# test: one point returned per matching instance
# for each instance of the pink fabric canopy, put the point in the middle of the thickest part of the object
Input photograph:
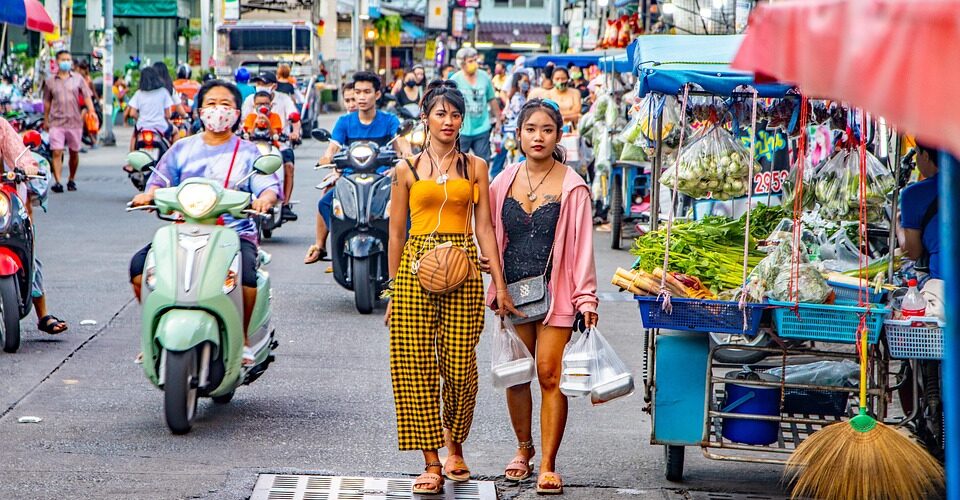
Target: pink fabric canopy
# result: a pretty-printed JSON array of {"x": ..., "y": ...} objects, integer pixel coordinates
[{"x": 894, "y": 58}]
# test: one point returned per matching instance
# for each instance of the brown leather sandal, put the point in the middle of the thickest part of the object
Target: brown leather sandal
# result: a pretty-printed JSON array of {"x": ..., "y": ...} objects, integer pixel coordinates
[
  {"x": 551, "y": 478},
  {"x": 433, "y": 481},
  {"x": 456, "y": 469}
]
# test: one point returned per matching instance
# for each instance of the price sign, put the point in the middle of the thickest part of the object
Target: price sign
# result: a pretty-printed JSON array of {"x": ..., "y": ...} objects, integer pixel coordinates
[{"x": 772, "y": 154}]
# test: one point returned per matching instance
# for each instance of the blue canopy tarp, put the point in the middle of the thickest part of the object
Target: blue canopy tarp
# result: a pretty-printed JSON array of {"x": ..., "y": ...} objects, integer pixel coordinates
[
  {"x": 581, "y": 59},
  {"x": 621, "y": 62},
  {"x": 665, "y": 63}
]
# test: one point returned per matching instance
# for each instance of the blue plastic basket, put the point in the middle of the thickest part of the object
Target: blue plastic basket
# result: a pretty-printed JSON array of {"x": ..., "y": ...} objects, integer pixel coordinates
[
  {"x": 826, "y": 322},
  {"x": 697, "y": 315},
  {"x": 852, "y": 293},
  {"x": 916, "y": 338}
]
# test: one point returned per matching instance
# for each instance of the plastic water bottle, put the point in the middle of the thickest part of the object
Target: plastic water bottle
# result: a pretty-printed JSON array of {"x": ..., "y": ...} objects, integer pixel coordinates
[{"x": 914, "y": 305}]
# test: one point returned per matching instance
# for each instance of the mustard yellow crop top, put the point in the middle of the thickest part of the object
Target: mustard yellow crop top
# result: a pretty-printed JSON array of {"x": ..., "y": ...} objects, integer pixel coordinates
[{"x": 426, "y": 197}]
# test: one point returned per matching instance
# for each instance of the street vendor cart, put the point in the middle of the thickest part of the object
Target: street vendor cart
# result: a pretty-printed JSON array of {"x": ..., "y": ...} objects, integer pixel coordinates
[{"x": 761, "y": 413}]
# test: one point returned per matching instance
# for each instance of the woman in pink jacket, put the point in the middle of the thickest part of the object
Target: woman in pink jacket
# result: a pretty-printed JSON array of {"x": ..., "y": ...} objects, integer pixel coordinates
[{"x": 542, "y": 216}]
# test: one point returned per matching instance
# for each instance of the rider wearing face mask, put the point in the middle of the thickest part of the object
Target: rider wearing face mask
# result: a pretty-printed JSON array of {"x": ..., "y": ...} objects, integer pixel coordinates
[
  {"x": 217, "y": 154},
  {"x": 283, "y": 106},
  {"x": 409, "y": 93}
]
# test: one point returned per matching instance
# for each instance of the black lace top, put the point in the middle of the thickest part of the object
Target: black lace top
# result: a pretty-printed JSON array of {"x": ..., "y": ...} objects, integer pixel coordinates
[{"x": 529, "y": 239}]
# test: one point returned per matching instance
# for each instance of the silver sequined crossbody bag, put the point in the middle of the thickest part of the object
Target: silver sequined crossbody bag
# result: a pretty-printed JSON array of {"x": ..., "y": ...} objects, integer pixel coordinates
[{"x": 531, "y": 296}]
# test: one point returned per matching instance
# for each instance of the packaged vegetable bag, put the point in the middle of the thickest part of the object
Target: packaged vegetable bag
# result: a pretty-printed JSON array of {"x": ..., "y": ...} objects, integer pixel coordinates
[
  {"x": 838, "y": 185},
  {"x": 713, "y": 165}
]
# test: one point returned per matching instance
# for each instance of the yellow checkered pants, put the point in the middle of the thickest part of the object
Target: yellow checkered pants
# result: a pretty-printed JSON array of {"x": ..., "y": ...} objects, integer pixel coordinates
[{"x": 432, "y": 339}]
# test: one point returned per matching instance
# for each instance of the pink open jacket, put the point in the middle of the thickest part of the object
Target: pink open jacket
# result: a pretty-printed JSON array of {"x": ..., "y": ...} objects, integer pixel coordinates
[{"x": 573, "y": 281}]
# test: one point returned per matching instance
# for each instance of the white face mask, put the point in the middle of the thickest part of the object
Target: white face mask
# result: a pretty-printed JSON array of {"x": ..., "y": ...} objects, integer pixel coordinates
[{"x": 261, "y": 88}]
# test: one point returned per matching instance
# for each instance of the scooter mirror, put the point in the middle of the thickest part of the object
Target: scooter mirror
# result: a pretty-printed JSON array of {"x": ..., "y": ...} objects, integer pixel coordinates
[
  {"x": 406, "y": 127},
  {"x": 268, "y": 164},
  {"x": 139, "y": 160},
  {"x": 320, "y": 134}
]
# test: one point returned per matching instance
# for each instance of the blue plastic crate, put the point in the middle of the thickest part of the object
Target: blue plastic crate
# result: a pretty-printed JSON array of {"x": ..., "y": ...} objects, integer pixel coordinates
[
  {"x": 697, "y": 315},
  {"x": 826, "y": 322},
  {"x": 851, "y": 293}
]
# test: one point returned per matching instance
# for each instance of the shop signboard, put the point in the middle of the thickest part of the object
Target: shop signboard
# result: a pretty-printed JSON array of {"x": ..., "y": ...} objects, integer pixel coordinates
[
  {"x": 470, "y": 21},
  {"x": 231, "y": 10},
  {"x": 430, "y": 51},
  {"x": 469, "y": 4},
  {"x": 437, "y": 15},
  {"x": 457, "y": 26}
]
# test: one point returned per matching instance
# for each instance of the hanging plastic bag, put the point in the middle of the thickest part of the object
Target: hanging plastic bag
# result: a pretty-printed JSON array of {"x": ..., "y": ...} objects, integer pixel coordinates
[
  {"x": 838, "y": 185},
  {"x": 586, "y": 123},
  {"x": 511, "y": 362},
  {"x": 713, "y": 165},
  {"x": 632, "y": 152},
  {"x": 603, "y": 149},
  {"x": 613, "y": 379},
  {"x": 578, "y": 366},
  {"x": 649, "y": 109},
  {"x": 790, "y": 186}
]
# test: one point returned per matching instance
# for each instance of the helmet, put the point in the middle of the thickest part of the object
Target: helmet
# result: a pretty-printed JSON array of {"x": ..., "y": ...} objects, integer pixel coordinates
[
  {"x": 209, "y": 76},
  {"x": 184, "y": 72},
  {"x": 242, "y": 75}
]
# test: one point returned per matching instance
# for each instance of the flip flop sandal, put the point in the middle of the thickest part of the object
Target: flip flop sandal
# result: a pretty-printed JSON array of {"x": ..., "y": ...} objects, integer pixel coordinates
[
  {"x": 51, "y": 324},
  {"x": 435, "y": 482},
  {"x": 519, "y": 463},
  {"x": 317, "y": 257},
  {"x": 458, "y": 465},
  {"x": 549, "y": 478}
]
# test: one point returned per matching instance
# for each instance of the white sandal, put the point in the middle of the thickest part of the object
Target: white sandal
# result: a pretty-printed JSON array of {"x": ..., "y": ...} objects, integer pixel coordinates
[{"x": 248, "y": 356}]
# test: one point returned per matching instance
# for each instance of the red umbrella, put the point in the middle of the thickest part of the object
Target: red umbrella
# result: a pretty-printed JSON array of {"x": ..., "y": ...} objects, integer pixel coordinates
[
  {"x": 29, "y": 13},
  {"x": 896, "y": 59}
]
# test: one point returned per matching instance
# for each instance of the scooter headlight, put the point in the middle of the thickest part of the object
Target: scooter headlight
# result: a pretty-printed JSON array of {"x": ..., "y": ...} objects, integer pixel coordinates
[
  {"x": 233, "y": 275},
  {"x": 150, "y": 271},
  {"x": 361, "y": 153},
  {"x": 197, "y": 200},
  {"x": 337, "y": 209},
  {"x": 418, "y": 137},
  {"x": 4, "y": 206}
]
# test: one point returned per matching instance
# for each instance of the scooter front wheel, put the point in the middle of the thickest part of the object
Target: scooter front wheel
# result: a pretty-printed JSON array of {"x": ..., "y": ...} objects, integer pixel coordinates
[
  {"x": 180, "y": 390},
  {"x": 10, "y": 309},
  {"x": 364, "y": 289}
]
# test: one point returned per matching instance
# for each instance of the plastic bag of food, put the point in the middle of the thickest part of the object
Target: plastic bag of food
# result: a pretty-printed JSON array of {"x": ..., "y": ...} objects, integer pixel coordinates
[
  {"x": 809, "y": 284},
  {"x": 511, "y": 362},
  {"x": 578, "y": 365},
  {"x": 611, "y": 114},
  {"x": 603, "y": 149},
  {"x": 612, "y": 378},
  {"x": 631, "y": 132},
  {"x": 586, "y": 123},
  {"x": 713, "y": 165},
  {"x": 649, "y": 110},
  {"x": 763, "y": 277},
  {"x": 632, "y": 152},
  {"x": 838, "y": 185},
  {"x": 809, "y": 192}
]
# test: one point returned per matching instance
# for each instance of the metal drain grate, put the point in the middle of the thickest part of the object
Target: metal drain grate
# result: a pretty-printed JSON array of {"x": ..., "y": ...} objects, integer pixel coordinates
[
  {"x": 716, "y": 495},
  {"x": 303, "y": 487}
]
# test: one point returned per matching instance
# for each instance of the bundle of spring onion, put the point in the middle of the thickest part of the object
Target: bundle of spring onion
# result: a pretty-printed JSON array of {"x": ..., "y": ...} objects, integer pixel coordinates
[{"x": 710, "y": 249}]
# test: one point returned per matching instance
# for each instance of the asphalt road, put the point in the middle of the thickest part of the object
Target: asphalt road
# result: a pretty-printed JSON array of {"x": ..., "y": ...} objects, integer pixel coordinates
[{"x": 324, "y": 406}]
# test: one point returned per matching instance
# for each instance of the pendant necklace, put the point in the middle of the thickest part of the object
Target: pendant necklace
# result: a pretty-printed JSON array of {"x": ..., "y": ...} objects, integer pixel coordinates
[{"x": 532, "y": 194}]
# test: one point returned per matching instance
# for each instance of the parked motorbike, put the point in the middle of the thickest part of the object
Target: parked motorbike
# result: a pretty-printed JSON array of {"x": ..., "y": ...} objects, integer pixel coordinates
[
  {"x": 16, "y": 252},
  {"x": 268, "y": 144},
  {"x": 360, "y": 224},
  {"x": 192, "y": 328},
  {"x": 150, "y": 143}
]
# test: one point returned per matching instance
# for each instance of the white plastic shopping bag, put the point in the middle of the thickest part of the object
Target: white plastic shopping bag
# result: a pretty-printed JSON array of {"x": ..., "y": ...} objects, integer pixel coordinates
[
  {"x": 511, "y": 363},
  {"x": 612, "y": 378},
  {"x": 578, "y": 366}
]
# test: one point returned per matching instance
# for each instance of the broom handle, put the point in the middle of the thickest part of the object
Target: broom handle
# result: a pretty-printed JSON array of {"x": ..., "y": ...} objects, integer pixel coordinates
[{"x": 863, "y": 372}]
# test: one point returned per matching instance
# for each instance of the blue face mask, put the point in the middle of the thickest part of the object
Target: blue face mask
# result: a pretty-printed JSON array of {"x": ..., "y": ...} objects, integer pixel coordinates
[
  {"x": 524, "y": 86},
  {"x": 66, "y": 65}
]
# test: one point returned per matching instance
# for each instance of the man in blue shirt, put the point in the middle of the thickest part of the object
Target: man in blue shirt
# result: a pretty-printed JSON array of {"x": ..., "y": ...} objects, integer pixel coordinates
[
  {"x": 918, "y": 212},
  {"x": 366, "y": 124}
]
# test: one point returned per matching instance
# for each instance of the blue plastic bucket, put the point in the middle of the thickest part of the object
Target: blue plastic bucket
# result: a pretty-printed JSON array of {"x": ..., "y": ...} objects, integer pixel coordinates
[{"x": 751, "y": 400}]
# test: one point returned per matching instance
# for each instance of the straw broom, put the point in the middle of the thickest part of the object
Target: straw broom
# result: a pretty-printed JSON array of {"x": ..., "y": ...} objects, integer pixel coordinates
[{"x": 863, "y": 459}]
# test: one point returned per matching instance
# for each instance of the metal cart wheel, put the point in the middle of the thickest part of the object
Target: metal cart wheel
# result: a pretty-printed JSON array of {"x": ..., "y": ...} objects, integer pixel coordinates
[
  {"x": 616, "y": 213},
  {"x": 673, "y": 458}
]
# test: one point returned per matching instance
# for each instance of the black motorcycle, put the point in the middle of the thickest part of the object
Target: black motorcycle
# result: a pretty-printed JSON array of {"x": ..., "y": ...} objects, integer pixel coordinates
[
  {"x": 360, "y": 225},
  {"x": 268, "y": 144},
  {"x": 152, "y": 144}
]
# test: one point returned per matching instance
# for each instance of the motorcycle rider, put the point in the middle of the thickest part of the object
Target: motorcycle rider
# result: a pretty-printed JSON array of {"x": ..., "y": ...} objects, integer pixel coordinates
[
  {"x": 14, "y": 155},
  {"x": 242, "y": 76},
  {"x": 183, "y": 85},
  {"x": 367, "y": 123},
  {"x": 262, "y": 117},
  {"x": 217, "y": 154},
  {"x": 150, "y": 106},
  {"x": 284, "y": 106}
]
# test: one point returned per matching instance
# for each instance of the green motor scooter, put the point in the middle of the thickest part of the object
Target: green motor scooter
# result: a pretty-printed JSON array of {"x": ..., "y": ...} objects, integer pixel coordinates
[{"x": 192, "y": 330}]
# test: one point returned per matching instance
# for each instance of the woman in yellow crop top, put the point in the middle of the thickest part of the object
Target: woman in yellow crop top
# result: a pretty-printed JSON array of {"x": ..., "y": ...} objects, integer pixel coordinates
[{"x": 434, "y": 338}]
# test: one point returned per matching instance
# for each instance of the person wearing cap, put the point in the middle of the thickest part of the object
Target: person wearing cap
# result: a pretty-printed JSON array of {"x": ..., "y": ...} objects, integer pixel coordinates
[
  {"x": 482, "y": 103},
  {"x": 284, "y": 106}
]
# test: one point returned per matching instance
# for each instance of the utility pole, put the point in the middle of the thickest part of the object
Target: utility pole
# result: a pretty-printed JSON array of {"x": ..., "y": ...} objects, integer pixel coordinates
[
  {"x": 358, "y": 35},
  {"x": 556, "y": 28},
  {"x": 106, "y": 135},
  {"x": 205, "y": 38}
]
